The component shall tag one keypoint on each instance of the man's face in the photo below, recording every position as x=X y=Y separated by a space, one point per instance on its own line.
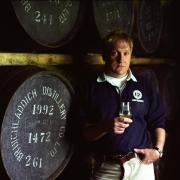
x=120 y=57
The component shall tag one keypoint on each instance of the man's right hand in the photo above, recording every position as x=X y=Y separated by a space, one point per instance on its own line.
x=120 y=124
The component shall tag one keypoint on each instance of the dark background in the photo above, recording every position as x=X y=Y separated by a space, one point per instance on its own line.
x=13 y=38
x=87 y=38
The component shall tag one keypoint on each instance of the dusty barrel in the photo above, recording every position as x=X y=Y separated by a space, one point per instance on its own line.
x=51 y=23
x=113 y=15
x=34 y=138
x=148 y=26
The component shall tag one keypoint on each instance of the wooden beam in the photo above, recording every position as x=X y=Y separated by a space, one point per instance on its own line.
x=60 y=59
x=34 y=59
x=96 y=59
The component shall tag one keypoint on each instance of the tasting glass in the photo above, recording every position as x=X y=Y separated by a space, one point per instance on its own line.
x=125 y=110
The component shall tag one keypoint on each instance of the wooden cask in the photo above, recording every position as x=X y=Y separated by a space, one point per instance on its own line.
x=113 y=15
x=51 y=23
x=34 y=140
x=148 y=26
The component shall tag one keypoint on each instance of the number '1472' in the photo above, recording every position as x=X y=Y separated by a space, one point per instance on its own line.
x=39 y=137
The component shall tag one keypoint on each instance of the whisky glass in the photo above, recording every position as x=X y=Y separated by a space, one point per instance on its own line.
x=125 y=110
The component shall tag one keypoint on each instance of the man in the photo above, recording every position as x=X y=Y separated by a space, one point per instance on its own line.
x=122 y=145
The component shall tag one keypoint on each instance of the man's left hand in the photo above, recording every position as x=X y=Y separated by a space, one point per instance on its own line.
x=147 y=155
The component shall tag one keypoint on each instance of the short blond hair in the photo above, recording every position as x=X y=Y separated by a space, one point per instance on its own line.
x=110 y=39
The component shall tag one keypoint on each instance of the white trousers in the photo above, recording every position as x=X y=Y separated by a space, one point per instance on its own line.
x=134 y=169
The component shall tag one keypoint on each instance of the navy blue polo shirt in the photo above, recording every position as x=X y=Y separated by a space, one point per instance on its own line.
x=101 y=102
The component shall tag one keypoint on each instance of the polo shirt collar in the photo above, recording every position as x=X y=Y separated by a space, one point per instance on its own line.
x=102 y=77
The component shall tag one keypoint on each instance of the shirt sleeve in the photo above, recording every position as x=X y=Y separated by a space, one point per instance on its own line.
x=156 y=113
